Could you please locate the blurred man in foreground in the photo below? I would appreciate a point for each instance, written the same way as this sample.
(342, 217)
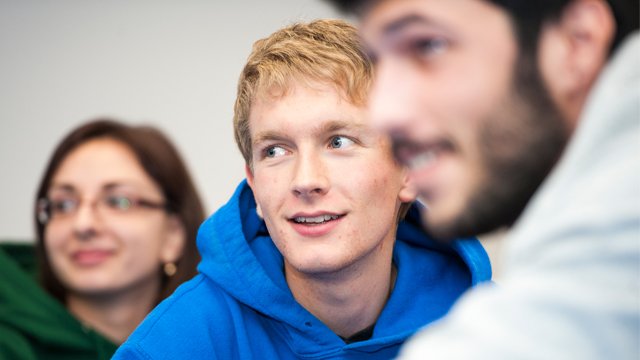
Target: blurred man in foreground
(521, 113)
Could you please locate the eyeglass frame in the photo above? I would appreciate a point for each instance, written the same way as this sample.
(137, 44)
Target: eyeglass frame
(44, 207)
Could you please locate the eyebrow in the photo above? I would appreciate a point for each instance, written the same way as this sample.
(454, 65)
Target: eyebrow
(107, 187)
(337, 125)
(402, 23)
(268, 136)
(62, 187)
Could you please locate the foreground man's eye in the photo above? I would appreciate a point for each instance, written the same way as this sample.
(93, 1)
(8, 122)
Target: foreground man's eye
(431, 46)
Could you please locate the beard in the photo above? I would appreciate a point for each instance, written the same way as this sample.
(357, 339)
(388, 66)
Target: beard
(520, 142)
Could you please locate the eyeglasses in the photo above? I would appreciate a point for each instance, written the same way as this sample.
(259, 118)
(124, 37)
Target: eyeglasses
(107, 205)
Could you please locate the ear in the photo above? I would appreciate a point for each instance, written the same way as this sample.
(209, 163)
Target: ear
(175, 240)
(408, 191)
(573, 51)
(249, 173)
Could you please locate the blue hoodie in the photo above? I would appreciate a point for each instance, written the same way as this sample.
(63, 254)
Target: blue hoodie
(239, 306)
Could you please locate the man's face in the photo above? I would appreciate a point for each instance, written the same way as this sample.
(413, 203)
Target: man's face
(324, 181)
(466, 112)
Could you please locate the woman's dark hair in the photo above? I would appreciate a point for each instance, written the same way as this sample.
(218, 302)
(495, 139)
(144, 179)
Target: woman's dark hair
(162, 162)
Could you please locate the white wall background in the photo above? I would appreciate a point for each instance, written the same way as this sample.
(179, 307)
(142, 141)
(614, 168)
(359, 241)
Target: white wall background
(173, 64)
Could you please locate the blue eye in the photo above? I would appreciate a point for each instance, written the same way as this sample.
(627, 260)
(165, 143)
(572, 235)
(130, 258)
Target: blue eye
(338, 142)
(274, 151)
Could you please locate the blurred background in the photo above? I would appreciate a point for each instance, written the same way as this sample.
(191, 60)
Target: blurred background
(173, 64)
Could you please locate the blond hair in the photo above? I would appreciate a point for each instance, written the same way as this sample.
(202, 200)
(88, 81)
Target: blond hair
(322, 51)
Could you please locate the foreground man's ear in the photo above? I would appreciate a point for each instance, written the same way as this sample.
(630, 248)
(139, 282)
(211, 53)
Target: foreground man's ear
(572, 53)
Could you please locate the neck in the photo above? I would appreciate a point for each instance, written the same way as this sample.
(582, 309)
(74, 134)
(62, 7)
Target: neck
(350, 300)
(115, 315)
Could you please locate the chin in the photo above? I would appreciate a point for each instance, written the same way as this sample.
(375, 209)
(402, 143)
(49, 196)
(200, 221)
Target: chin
(90, 285)
(317, 267)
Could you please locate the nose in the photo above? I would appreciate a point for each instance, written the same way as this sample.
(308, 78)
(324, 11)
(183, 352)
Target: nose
(86, 221)
(389, 96)
(310, 175)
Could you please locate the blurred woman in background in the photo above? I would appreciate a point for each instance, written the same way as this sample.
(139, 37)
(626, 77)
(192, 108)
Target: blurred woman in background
(116, 220)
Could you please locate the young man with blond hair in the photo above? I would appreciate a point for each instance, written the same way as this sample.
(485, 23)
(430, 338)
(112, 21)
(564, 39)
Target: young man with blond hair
(310, 258)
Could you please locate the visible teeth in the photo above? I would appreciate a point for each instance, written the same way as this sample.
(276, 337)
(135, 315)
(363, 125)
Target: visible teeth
(316, 219)
(422, 160)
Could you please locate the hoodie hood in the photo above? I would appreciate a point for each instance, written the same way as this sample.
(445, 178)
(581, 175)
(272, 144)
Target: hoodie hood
(239, 257)
(469, 250)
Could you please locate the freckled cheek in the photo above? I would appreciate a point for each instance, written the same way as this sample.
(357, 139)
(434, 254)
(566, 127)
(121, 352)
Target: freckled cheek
(280, 239)
(352, 235)
(376, 188)
(268, 192)
(278, 236)
(380, 194)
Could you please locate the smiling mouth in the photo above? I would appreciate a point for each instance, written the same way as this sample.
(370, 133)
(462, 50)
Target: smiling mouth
(315, 220)
(418, 156)
(91, 257)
